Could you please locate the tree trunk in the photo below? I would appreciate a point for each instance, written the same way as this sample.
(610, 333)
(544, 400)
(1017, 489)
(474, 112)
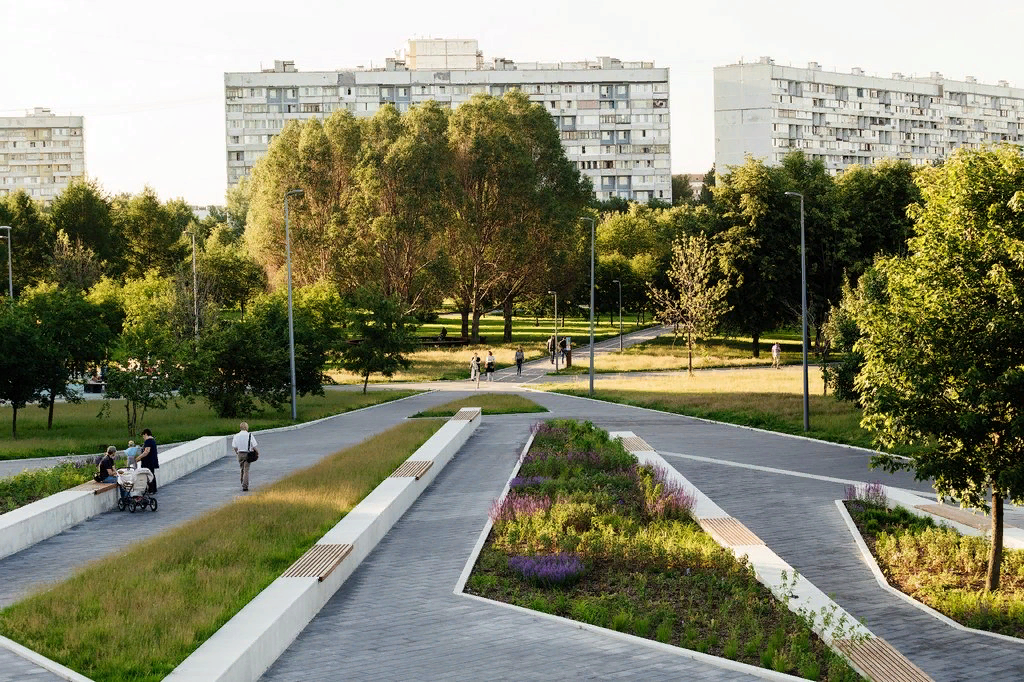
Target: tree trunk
(465, 321)
(755, 345)
(689, 352)
(366, 380)
(995, 555)
(14, 423)
(474, 332)
(49, 416)
(507, 309)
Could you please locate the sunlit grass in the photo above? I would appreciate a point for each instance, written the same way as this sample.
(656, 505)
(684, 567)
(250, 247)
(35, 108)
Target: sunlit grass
(138, 613)
(77, 429)
(490, 403)
(768, 399)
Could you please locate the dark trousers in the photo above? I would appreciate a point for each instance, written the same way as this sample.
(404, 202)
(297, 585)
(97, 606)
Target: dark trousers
(152, 484)
(519, 367)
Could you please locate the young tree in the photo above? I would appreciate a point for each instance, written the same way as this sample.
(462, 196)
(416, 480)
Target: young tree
(151, 232)
(82, 212)
(944, 343)
(383, 335)
(75, 265)
(74, 333)
(696, 302)
(682, 192)
(21, 379)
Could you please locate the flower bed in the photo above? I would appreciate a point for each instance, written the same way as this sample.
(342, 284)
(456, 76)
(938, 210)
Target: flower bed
(587, 533)
(35, 484)
(938, 566)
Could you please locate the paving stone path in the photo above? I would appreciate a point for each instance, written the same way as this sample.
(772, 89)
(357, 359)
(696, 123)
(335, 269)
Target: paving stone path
(397, 617)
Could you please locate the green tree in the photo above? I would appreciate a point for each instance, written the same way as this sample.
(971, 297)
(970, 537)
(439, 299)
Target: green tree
(82, 212)
(873, 202)
(695, 303)
(397, 214)
(75, 265)
(706, 196)
(237, 208)
(944, 344)
(513, 187)
(682, 192)
(33, 238)
(21, 349)
(74, 333)
(383, 334)
(234, 277)
(151, 232)
(759, 248)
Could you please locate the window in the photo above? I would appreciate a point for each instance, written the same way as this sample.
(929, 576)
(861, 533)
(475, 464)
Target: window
(403, 92)
(233, 139)
(293, 93)
(605, 90)
(621, 89)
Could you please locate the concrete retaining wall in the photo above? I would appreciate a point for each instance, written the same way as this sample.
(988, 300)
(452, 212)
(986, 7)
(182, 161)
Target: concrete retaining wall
(248, 644)
(25, 526)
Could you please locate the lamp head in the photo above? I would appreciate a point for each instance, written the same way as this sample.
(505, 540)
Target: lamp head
(295, 193)
(551, 292)
(615, 281)
(794, 194)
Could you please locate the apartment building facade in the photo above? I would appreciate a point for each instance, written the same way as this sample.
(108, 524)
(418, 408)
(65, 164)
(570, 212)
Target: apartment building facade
(765, 110)
(41, 153)
(613, 116)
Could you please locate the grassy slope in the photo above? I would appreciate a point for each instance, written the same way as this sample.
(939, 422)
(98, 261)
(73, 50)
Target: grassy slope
(491, 403)
(167, 595)
(77, 429)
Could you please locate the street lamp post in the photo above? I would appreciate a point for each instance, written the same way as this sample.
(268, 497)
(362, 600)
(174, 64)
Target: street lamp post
(10, 272)
(554, 348)
(803, 306)
(195, 284)
(593, 228)
(291, 320)
(615, 281)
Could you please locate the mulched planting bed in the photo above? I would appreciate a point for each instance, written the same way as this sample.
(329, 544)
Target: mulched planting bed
(587, 533)
(940, 567)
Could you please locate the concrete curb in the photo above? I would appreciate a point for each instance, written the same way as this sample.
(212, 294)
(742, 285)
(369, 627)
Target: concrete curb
(42, 661)
(248, 644)
(712, 421)
(880, 578)
(295, 427)
(25, 526)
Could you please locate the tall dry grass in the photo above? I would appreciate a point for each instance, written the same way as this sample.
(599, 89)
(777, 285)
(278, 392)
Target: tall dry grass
(769, 399)
(137, 614)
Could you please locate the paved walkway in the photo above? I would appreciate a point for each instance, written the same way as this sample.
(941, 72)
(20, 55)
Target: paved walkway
(397, 618)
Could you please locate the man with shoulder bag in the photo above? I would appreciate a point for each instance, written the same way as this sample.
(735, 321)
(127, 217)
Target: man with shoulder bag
(245, 446)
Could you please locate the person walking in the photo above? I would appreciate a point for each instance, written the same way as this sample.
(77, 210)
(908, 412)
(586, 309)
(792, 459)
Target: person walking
(474, 369)
(244, 444)
(551, 348)
(149, 459)
(520, 356)
(490, 366)
(776, 355)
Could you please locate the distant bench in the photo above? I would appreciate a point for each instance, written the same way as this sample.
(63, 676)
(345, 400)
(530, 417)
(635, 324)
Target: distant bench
(95, 387)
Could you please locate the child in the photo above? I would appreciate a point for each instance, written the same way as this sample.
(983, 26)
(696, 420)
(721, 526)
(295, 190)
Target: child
(131, 452)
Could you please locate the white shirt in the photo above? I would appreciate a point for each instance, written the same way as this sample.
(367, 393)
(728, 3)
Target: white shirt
(241, 441)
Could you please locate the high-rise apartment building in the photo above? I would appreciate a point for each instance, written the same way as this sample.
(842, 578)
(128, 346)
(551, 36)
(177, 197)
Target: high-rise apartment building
(613, 116)
(765, 110)
(41, 153)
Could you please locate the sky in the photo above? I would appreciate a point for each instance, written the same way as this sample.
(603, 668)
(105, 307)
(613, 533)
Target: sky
(149, 77)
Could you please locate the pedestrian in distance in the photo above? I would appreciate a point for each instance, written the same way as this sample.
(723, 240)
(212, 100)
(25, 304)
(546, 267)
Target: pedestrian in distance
(551, 348)
(474, 369)
(149, 459)
(520, 356)
(776, 355)
(245, 447)
(490, 366)
(131, 453)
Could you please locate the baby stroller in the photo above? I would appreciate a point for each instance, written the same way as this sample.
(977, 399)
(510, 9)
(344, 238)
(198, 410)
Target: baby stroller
(135, 484)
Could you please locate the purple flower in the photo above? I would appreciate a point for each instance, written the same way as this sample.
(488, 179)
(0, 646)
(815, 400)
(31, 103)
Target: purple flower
(516, 505)
(670, 497)
(523, 481)
(549, 569)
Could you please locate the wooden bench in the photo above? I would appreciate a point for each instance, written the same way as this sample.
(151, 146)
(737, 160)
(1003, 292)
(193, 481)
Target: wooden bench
(97, 488)
(318, 562)
(881, 661)
(412, 469)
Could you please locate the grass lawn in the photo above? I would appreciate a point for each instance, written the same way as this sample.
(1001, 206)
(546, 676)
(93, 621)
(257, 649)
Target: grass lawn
(943, 569)
(661, 354)
(588, 534)
(490, 403)
(433, 364)
(164, 597)
(77, 429)
(767, 399)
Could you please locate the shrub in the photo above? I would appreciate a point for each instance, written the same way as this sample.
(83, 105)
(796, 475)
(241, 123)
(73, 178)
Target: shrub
(517, 505)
